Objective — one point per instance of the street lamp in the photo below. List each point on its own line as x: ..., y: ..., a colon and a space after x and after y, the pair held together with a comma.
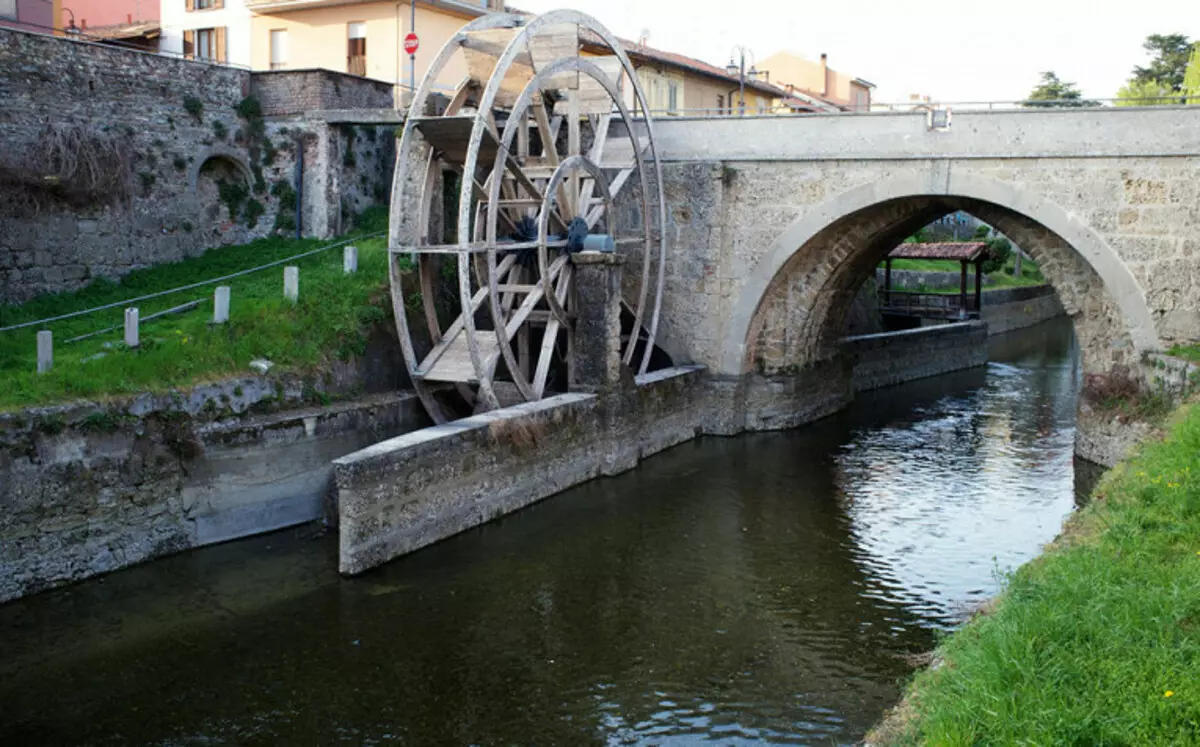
x: 738, y: 69
x: 71, y: 27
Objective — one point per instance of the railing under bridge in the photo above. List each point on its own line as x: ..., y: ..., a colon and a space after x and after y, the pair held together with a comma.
x: 928, y: 305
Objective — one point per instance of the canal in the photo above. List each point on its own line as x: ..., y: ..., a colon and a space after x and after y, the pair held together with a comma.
x: 769, y: 587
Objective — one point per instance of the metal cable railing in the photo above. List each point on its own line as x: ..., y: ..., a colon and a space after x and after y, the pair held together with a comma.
x: 191, y: 286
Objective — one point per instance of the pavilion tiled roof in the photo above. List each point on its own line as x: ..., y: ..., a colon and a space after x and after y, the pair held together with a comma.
x: 956, y: 250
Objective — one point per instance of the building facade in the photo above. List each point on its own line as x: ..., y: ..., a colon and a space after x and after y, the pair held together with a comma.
x: 212, y: 30
x: 32, y: 15
x: 360, y: 38
x: 817, y: 79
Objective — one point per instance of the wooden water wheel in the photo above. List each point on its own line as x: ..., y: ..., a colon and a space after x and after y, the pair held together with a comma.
x: 549, y: 162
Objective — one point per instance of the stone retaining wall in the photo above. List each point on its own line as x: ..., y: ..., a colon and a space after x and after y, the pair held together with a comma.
x: 895, y: 357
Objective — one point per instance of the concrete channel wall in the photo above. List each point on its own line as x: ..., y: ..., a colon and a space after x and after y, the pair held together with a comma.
x: 895, y: 357
x: 419, y: 488
x: 1016, y: 308
x: 86, y: 489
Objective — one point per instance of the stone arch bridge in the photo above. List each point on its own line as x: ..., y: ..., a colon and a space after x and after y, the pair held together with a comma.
x: 774, y: 223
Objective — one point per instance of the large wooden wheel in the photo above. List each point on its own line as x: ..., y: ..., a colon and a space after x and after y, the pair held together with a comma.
x: 549, y: 162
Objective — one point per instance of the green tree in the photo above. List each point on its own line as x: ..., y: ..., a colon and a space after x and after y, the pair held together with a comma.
x: 1191, y: 78
x: 1053, y: 92
x: 1170, y: 54
x: 999, y: 249
x: 1149, y: 93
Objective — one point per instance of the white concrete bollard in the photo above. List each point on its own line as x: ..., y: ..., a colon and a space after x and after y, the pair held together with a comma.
x: 221, y: 305
x: 350, y: 259
x: 291, y: 283
x: 45, y: 351
x: 131, y: 327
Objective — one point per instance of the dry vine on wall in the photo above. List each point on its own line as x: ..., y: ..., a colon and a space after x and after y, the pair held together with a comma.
x: 69, y: 165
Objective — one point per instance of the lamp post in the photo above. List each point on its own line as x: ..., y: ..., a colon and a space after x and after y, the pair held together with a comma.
x: 738, y: 69
x: 71, y: 27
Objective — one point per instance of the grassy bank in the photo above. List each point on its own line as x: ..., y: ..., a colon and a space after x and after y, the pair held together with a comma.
x: 1030, y: 273
x: 1098, y: 641
x: 330, y: 321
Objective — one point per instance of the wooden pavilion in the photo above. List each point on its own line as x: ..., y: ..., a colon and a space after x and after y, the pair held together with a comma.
x: 937, y: 305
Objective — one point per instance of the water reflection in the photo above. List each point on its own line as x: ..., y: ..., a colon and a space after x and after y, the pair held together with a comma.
x: 763, y: 588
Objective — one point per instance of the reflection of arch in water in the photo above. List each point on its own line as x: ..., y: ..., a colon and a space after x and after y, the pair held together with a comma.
x: 803, y: 287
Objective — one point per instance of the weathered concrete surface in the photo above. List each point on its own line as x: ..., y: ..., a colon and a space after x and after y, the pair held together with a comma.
x: 411, y: 491
x: 87, y: 489
x: 1106, y: 437
x: 1017, y: 308
x: 896, y: 357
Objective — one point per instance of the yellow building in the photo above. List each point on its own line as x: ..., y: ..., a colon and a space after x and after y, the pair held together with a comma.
x: 675, y: 84
x: 798, y: 74
x: 361, y: 38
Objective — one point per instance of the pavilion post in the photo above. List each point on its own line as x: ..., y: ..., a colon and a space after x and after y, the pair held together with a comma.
x: 963, y: 288
x: 887, y: 282
x: 979, y: 287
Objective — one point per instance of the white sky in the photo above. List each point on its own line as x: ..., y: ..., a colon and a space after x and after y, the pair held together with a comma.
x: 953, y: 50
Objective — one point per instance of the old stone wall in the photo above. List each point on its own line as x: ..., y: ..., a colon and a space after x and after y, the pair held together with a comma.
x: 176, y: 122
x: 86, y: 489
x: 917, y: 279
x: 206, y: 169
x: 896, y: 357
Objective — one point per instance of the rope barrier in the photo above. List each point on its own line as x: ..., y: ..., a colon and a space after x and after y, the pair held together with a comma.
x: 193, y: 286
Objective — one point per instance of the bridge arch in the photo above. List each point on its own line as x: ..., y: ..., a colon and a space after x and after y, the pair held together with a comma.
x: 813, y: 269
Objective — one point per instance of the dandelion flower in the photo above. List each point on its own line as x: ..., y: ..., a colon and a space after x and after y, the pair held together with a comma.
x: 1168, y: 693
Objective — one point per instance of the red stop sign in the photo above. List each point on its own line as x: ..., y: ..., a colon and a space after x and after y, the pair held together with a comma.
x: 411, y: 43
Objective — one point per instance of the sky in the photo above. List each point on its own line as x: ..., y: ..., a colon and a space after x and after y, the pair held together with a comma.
x: 952, y: 50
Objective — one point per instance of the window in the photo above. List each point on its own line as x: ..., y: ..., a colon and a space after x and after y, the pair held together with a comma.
x: 8, y: 9
x: 191, y: 5
x: 673, y: 97
x: 204, y: 44
x: 278, y: 48
x: 720, y: 104
x: 356, y: 48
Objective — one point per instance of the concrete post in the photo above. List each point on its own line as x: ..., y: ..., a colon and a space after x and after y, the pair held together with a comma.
x: 131, y: 327
x: 221, y: 305
x: 291, y: 283
x: 596, y: 341
x: 45, y: 351
x: 350, y: 259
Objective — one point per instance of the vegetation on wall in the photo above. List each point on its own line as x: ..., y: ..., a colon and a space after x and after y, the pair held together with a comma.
x: 79, y: 166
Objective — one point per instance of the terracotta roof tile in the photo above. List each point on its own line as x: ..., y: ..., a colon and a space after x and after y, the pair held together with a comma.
x: 968, y: 250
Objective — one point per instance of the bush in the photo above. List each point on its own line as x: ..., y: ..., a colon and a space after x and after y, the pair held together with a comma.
x: 1000, y: 250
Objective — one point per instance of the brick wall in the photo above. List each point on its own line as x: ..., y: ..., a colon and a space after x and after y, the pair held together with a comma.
x: 292, y: 92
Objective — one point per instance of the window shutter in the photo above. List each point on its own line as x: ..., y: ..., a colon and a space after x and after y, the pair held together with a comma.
x: 189, y: 5
x: 219, y: 35
x: 218, y: 4
x: 189, y: 43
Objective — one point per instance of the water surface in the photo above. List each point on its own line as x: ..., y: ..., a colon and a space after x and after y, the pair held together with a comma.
x: 769, y: 587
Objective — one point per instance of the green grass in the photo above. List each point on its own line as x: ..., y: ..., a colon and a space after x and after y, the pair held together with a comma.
x: 1187, y: 352
x: 1098, y: 641
x: 1030, y: 273
x: 331, y: 320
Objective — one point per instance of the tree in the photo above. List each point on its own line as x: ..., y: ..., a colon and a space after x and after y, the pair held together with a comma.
x: 999, y: 249
x: 1053, y: 92
x: 1191, y: 78
x: 1170, y: 54
x: 1150, y: 93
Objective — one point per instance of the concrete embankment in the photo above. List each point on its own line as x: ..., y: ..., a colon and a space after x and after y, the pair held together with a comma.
x: 889, y: 358
x: 90, y: 488
x: 1007, y: 309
